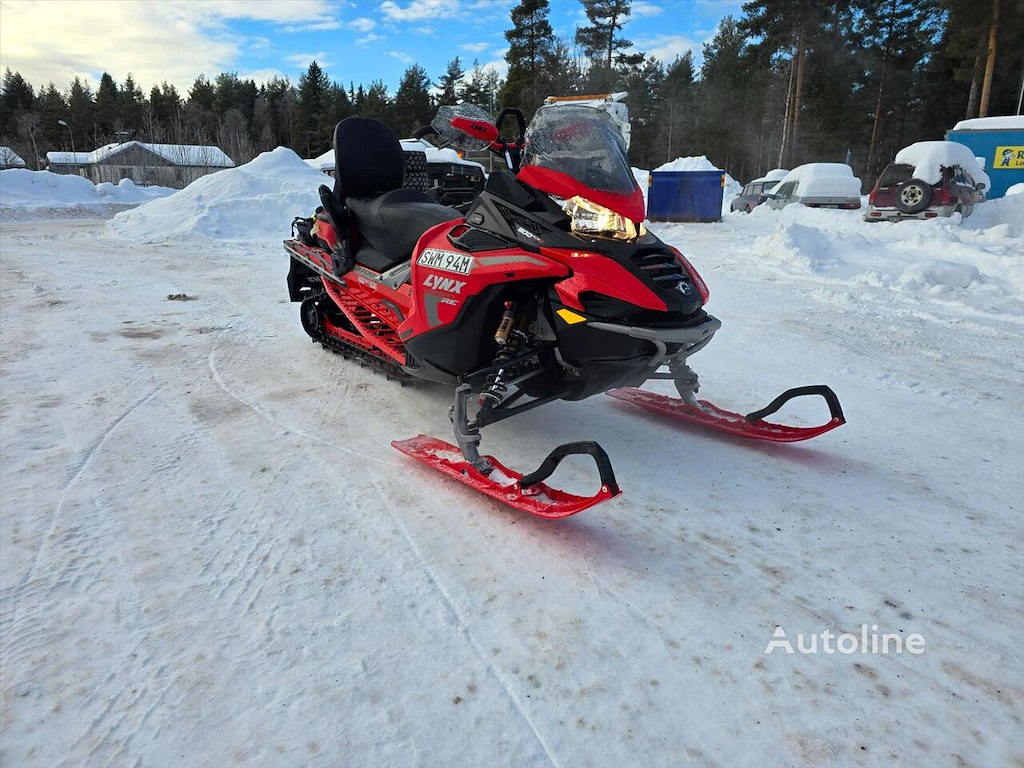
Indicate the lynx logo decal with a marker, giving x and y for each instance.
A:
(447, 284)
(447, 261)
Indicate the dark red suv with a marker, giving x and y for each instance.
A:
(898, 195)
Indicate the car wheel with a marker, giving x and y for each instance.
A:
(913, 196)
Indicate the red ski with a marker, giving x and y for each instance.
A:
(527, 493)
(752, 425)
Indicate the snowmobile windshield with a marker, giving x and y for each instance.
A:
(581, 142)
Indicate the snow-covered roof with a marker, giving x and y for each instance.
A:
(178, 154)
(68, 158)
(823, 180)
(9, 157)
(1001, 123)
(929, 157)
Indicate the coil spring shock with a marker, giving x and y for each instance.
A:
(511, 336)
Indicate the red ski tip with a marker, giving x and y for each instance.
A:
(506, 485)
(751, 425)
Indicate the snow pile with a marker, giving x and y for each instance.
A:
(257, 200)
(929, 157)
(20, 188)
(976, 263)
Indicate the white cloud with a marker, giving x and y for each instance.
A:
(403, 57)
(262, 75)
(474, 47)
(155, 41)
(641, 9)
(302, 60)
(323, 25)
(665, 48)
(369, 39)
(362, 24)
(420, 10)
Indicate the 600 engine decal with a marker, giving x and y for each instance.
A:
(448, 261)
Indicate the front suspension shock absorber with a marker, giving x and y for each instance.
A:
(512, 337)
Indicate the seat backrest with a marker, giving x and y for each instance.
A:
(368, 158)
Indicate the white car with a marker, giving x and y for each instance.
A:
(817, 185)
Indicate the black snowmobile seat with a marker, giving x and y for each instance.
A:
(369, 166)
(392, 223)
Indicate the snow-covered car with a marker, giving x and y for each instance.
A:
(926, 180)
(756, 191)
(817, 185)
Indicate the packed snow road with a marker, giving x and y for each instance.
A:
(211, 554)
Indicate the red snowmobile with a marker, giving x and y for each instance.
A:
(546, 287)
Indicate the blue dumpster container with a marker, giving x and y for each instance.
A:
(685, 196)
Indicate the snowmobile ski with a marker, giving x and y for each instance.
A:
(752, 425)
(527, 493)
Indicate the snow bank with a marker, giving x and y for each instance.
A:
(21, 188)
(255, 201)
(976, 263)
(929, 157)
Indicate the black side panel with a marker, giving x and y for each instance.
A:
(467, 343)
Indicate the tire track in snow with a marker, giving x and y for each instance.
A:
(15, 594)
(383, 494)
(286, 427)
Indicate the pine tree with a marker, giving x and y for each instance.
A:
(601, 43)
(81, 108)
(482, 88)
(530, 56)
(52, 108)
(376, 102)
(308, 125)
(106, 110)
(450, 83)
(129, 108)
(17, 98)
(412, 107)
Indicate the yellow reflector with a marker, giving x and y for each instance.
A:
(570, 317)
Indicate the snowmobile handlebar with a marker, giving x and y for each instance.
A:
(584, 447)
(834, 408)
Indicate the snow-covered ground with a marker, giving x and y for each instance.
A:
(212, 555)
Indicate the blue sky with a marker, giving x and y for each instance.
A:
(357, 40)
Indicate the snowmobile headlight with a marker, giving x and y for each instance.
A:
(593, 220)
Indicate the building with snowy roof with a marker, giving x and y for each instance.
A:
(165, 165)
(10, 159)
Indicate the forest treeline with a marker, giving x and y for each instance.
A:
(789, 81)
